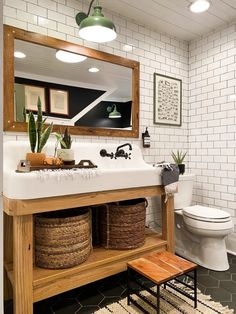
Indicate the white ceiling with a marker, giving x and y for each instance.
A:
(173, 16)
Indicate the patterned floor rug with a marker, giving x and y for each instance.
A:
(171, 302)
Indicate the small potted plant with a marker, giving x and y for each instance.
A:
(38, 136)
(178, 159)
(65, 153)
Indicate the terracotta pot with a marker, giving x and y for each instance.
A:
(35, 159)
(65, 154)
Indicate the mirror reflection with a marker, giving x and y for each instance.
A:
(79, 91)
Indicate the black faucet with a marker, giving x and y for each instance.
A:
(121, 153)
(126, 144)
(104, 153)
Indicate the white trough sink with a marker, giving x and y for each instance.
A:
(111, 174)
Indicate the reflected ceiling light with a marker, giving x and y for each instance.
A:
(127, 48)
(93, 70)
(96, 27)
(69, 57)
(199, 6)
(114, 114)
(19, 54)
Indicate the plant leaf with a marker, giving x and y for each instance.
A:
(63, 144)
(45, 137)
(178, 157)
(39, 124)
(32, 131)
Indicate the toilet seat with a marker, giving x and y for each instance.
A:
(206, 214)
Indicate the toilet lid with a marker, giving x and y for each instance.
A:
(206, 214)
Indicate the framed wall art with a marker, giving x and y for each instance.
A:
(31, 97)
(167, 100)
(58, 101)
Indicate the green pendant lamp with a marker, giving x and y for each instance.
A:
(96, 27)
(114, 114)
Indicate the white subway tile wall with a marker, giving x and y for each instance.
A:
(212, 118)
(156, 53)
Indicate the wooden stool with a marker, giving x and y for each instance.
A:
(160, 268)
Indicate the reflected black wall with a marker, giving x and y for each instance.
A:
(79, 98)
(98, 116)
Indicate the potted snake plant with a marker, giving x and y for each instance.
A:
(65, 153)
(38, 136)
(178, 159)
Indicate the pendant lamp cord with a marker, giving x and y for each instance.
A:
(91, 3)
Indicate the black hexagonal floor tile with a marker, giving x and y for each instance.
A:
(66, 306)
(109, 300)
(8, 307)
(233, 268)
(201, 287)
(234, 297)
(91, 297)
(218, 294)
(228, 285)
(231, 305)
(86, 310)
(45, 305)
(117, 279)
(208, 281)
(111, 290)
(124, 293)
(220, 275)
(88, 299)
(71, 294)
(202, 271)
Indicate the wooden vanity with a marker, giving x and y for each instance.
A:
(23, 281)
(28, 284)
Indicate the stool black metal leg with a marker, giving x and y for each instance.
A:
(158, 299)
(195, 287)
(128, 286)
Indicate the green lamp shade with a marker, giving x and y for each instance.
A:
(114, 114)
(97, 28)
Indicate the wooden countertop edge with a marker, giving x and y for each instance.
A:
(17, 207)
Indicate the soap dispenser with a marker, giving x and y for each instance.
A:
(146, 139)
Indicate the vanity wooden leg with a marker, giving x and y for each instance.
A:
(8, 258)
(23, 264)
(168, 225)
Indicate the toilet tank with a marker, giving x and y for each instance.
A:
(185, 191)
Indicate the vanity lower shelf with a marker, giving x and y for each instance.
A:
(101, 263)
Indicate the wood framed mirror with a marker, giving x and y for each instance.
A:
(72, 94)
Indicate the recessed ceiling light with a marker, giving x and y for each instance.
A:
(93, 70)
(69, 57)
(127, 48)
(199, 6)
(19, 54)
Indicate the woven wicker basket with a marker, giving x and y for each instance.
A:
(62, 238)
(122, 224)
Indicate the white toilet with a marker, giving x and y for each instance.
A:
(200, 231)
